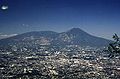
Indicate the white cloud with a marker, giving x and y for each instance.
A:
(4, 7)
(2, 36)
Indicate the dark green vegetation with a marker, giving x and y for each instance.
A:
(114, 48)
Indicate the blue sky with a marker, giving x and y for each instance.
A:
(97, 17)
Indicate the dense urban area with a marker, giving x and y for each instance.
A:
(70, 62)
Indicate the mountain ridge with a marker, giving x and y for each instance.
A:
(74, 36)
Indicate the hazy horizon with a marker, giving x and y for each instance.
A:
(2, 36)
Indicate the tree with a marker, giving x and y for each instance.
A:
(114, 48)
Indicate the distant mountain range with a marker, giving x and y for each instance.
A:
(75, 36)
